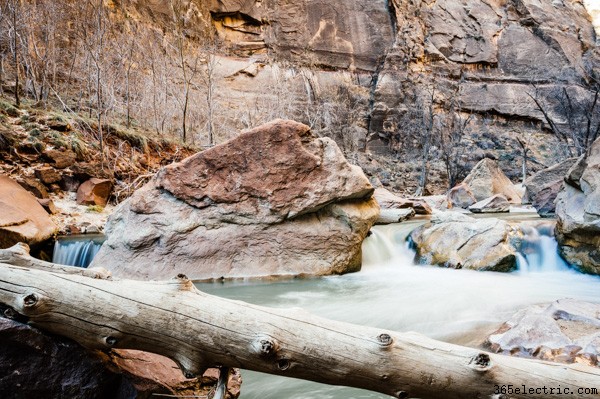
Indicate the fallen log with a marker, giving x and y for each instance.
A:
(198, 330)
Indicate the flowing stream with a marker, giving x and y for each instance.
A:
(76, 250)
(459, 306)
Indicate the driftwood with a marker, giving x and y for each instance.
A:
(198, 330)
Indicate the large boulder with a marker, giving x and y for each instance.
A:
(487, 179)
(542, 188)
(459, 241)
(566, 331)
(35, 364)
(578, 213)
(274, 201)
(22, 218)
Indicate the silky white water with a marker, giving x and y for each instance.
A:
(459, 306)
(76, 250)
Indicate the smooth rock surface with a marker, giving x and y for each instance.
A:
(578, 213)
(487, 179)
(565, 331)
(459, 241)
(275, 201)
(22, 218)
(495, 204)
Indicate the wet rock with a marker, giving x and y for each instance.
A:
(35, 364)
(494, 204)
(387, 199)
(487, 179)
(545, 199)
(22, 218)
(565, 331)
(273, 201)
(461, 196)
(458, 241)
(94, 192)
(48, 175)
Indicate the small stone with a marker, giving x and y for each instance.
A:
(48, 205)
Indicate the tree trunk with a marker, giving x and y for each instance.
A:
(197, 330)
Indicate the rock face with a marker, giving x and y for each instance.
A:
(487, 180)
(458, 241)
(494, 204)
(578, 213)
(565, 331)
(22, 218)
(542, 188)
(273, 201)
(33, 364)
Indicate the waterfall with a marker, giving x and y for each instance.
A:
(539, 252)
(76, 251)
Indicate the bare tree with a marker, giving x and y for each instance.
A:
(572, 113)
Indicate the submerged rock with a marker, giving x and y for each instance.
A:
(22, 218)
(275, 201)
(487, 179)
(578, 213)
(459, 241)
(565, 331)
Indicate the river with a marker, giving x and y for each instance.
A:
(458, 306)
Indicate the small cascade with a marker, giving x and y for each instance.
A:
(539, 252)
(76, 251)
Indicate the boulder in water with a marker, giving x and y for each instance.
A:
(459, 241)
(22, 218)
(388, 216)
(388, 200)
(487, 179)
(565, 331)
(578, 213)
(274, 201)
(495, 204)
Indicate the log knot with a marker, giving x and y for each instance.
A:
(265, 346)
(481, 362)
(385, 339)
(402, 394)
(30, 301)
(110, 341)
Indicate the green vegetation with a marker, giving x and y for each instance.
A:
(8, 109)
(94, 209)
